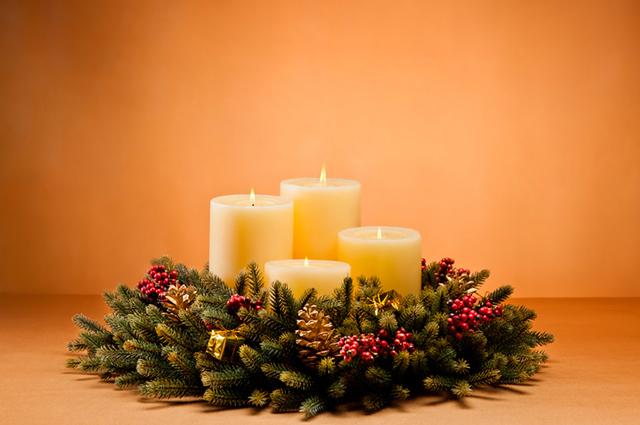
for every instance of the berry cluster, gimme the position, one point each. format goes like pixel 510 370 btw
pixel 237 301
pixel 467 315
pixel 157 282
pixel 445 269
pixel 445 266
pixel 369 346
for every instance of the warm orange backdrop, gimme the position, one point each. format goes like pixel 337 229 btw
pixel 507 132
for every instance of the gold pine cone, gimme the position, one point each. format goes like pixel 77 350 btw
pixel 177 298
pixel 315 335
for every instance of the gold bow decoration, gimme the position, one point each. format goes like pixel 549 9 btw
pixel 224 344
pixel 384 301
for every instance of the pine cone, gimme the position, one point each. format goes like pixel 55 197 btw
pixel 178 297
pixel 316 337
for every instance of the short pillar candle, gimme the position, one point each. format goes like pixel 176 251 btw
pixel 248 228
pixel 322 207
pixel 392 254
pixel 323 275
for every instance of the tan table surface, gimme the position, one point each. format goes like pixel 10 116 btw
pixel 592 376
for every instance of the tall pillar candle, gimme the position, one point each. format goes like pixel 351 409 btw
pixel 248 228
pixel 391 253
pixel 322 207
pixel 300 275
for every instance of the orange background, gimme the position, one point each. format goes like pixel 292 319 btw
pixel 507 132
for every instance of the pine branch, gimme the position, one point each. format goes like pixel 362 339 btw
pixel 478 278
pixel 373 402
pixel 500 294
pixel 312 406
pixel 296 380
pixel 401 362
pixel 208 283
pixel 250 357
pixel 485 377
pixel 344 296
pixel 182 362
pixel 241 284
pixel 399 392
pixel 156 368
pixel 387 321
pixel 143 349
pixel 169 388
pixel 326 366
pixel 461 389
pixel 114 357
pixel 337 389
pixel 173 336
pixel 255 282
pixel 90 364
pixel 413 317
pixel 223 397
pixel 286 400
pixel 83 322
pixel 129 380
pixel 378 376
pixel 306 298
pixel 77 345
pixel 228 376
pixel 259 398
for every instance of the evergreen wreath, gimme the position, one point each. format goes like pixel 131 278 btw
pixel 186 333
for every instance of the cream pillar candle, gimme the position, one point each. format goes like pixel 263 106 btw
pixel 248 228
pixel 322 207
pixel 299 275
pixel 391 253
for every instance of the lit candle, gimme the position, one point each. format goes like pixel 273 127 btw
pixel 248 228
pixel 322 207
pixel 299 275
pixel 391 253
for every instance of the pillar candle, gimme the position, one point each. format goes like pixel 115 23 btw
pixel 322 207
pixel 391 253
pixel 299 275
pixel 248 228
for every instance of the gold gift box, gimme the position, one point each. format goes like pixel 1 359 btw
pixel 224 345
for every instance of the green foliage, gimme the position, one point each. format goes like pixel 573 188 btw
pixel 500 294
pixel 141 346
pixel 312 406
pixel 296 380
pixel 255 282
pixel 259 398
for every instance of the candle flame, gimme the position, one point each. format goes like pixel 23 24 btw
pixel 379 233
pixel 323 174
pixel 252 198
pixel 306 261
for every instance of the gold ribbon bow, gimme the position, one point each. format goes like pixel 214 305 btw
pixel 381 302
